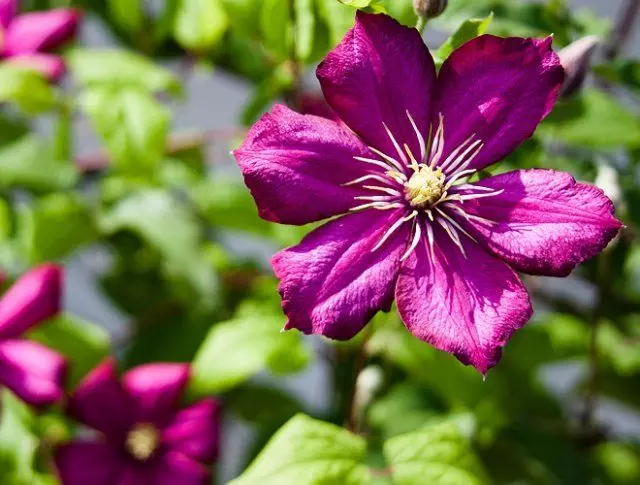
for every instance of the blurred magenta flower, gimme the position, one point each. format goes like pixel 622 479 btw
pixel 145 437
pixel 26 38
pixel 33 372
pixel 416 228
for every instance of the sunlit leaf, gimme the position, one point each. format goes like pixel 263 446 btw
pixel 53 227
pixel 309 452
pixel 238 349
pixel 27 88
pixel 111 68
pixel 200 24
pixel 132 124
pixel 468 30
pixel 438 455
pixel 28 162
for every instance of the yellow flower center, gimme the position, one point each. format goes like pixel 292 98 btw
pixel 143 441
pixel 425 187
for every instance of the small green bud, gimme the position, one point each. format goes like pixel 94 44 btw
pixel 429 8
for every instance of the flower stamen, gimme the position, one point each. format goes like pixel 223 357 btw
pixel 396 145
pixel 414 243
pixel 424 188
pixel 421 142
pixel 393 228
pixel 143 441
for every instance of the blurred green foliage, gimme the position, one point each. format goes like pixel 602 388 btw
pixel 163 209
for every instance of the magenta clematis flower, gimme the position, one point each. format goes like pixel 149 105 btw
pixel 398 165
pixel 33 372
pixel 145 437
pixel 26 39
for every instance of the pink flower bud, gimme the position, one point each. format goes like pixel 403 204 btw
pixel 576 59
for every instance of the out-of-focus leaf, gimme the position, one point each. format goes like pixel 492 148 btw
pixel 438 455
pixel 29 162
pixel 18 444
pixel 622 71
pixel 238 349
pixel 262 405
pixel 280 80
pixel 468 30
pixel 132 124
pixel 245 14
pixel 53 227
pixel 594 119
pixel 309 452
pixel 618 463
pixel 27 88
pixel 200 24
pixel 173 230
pixel 82 343
pixel 337 17
pixel 305 28
pixel 620 351
pixel 111 68
pixel 276 24
pixel 357 3
pixel 405 408
pixel 127 14
pixel 401 10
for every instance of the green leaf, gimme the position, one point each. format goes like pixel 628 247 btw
pixel 595 120
pixel 200 24
pixel 173 230
pixel 337 17
pixel 304 28
pixel 357 3
pixel 53 227
pixel 236 350
pixel 127 14
pixel 276 24
pixel 469 29
pixel 437 455
pixel 309 452
pixel 262 405
pixel 18 444
pixel 622 71
pixel 82 343
pixel 132 124
pixel 27 88
pixel 28 162
pixel 619 463
pixel 112 67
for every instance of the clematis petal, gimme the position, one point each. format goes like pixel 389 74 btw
pixel 155 389
pixel 498 90
pixel 35 297
pixel 178 469
pixel 83 463
pixel 39 31
pixel 195 431
pixel 8 10
pixel 544 222
pixel 295 166
pixel 379 71
pixel 33 372
pixel 468 306
pixel 50 66
pixel 101 403
pixel 334 282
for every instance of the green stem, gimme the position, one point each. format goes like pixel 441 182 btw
pixel 421 24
